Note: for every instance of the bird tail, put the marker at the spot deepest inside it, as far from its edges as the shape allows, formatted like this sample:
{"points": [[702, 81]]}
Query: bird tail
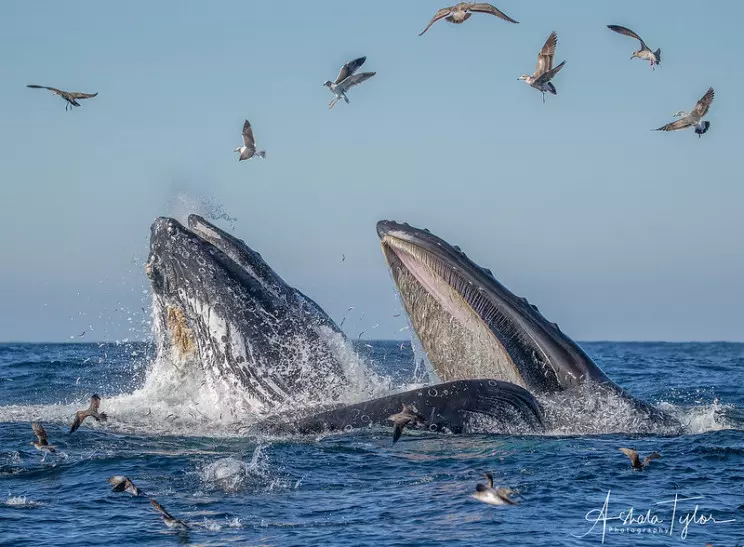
{"points": [[261, 153], [657, 54], [552, 89]]}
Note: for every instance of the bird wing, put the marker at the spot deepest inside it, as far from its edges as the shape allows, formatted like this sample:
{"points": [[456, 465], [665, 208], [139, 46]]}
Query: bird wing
{"points": [[118, 482], [652, 456], [79, 95], [160, 509], [40, 433], [625, 31], [489, 477], [681, 123], [248, 139], [504, 494], [34, 86], [702, 106], [547, 76], [441, 14], [80, 416], [349, 68], [632, 454], [95, 402], [355, 79], [398, 431], [545, 57], [488, 8]]}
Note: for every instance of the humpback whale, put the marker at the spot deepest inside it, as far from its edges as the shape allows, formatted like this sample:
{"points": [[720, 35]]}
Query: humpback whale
{"points": [[222, 311], [218, 306], [471, 326]]}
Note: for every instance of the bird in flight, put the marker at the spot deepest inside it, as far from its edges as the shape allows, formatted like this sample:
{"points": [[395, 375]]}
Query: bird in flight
{"points": [[653, 57], [92, 411], [462, 11], [694, 118], [71, 97], [635, 460], [42, 443], [346, 79], [545, 71], [406, 416], [248, 150]]}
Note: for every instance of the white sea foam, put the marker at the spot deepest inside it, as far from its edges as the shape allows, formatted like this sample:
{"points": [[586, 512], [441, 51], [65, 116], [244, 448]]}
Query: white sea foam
{"points": [[20, 502]]}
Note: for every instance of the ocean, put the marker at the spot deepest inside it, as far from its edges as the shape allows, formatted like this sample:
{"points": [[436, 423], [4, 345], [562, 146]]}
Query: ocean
{"points": [[572, 487]]}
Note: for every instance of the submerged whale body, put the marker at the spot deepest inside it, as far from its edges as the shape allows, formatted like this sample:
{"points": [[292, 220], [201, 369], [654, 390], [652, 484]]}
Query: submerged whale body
{"points": [[471, 326], [223, 313], [452, 407]]}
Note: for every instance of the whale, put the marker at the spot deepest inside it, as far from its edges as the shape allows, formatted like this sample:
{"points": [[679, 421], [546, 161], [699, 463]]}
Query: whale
{"points": [[471, 326], [456, 407], [221, 312]]}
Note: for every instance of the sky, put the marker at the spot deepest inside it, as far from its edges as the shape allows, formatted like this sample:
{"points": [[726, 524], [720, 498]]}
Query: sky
{"points": [[614, 231]]}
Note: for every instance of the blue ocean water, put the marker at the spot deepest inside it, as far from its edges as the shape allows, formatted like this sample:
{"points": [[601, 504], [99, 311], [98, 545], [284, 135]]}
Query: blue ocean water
{"points": [[357, 489]]}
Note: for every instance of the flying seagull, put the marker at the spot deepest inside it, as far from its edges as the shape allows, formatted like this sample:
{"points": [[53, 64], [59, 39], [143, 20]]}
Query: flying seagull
{"points": [[545, 72], [122, 484], [248, 150], [403, 418], [347, 79], [70, 97], [492, 496], [653, 57], [168, 519], [42, 443], [635, 460], [92, 411], [461, 12], [694, 118]]}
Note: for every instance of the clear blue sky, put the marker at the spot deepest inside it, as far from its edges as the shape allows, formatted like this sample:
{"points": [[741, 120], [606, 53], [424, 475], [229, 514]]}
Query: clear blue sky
{"points": [[614, 231]]}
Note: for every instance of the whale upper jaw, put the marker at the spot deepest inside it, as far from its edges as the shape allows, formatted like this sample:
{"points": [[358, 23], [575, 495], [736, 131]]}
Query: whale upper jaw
{"points": [[222, 311], [470, 325]]}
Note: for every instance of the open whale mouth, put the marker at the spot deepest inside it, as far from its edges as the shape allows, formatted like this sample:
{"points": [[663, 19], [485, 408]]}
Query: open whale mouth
{"points": [[223, 314], [470, 325]]}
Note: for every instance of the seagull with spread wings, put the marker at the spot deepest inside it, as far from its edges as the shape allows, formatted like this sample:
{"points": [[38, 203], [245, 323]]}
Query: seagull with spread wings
{"points": [[653, 57], [545, 71], [694, 118], [462, 11], [248, 150], [346, 79], [71, 97]]}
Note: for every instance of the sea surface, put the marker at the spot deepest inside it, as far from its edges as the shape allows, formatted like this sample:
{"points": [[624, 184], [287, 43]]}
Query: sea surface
{"points": [[358, 489]]}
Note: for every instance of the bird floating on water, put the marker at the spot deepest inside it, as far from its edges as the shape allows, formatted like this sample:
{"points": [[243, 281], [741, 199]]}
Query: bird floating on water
{"points": [[403, 418], [492, 496], [694, 118], [121, 483], [43, 442], [248, 150], [347, 79], [168, 519], [71, 97], [635, 460], [545, 72], [653, 57], [91, 411], [462, 11]]}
